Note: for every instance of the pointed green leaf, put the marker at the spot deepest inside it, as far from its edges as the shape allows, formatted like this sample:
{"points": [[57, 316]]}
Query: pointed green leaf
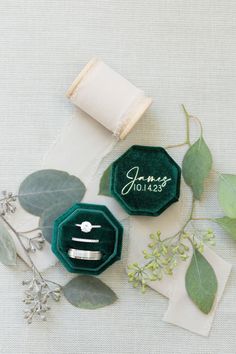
{"points": [[201, 282], [46, 221], [227, 194], [44, 188], [104, 186], [7, 247], [88, 292], [197, 164], [228, 225]]}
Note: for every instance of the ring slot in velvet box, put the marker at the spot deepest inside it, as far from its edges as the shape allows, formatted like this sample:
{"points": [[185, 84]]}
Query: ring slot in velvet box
{"points": [[106, 239], [145, 180]]}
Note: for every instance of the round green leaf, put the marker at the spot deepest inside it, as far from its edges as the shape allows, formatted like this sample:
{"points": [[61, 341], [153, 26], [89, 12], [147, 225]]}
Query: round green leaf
{"points": [[201, 282], [228, 225], [46, 221], [196, 166], [88, 292], [227, 194], [104, 186], [44, 188], [7, 247]]}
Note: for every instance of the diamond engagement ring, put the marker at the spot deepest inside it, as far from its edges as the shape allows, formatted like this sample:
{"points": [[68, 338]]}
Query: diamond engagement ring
{"points": [[86, 226]]}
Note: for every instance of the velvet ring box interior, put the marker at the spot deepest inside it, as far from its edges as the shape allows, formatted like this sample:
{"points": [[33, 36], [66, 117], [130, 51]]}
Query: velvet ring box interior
{"points": [[145, 180], [108, 237]]}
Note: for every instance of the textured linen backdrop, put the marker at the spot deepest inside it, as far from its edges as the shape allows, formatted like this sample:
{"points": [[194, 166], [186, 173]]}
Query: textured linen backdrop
{"points": [[178, 52]]}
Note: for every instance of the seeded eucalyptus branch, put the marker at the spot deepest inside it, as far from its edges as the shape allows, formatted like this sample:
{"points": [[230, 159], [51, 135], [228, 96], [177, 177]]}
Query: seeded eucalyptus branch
{"points": [[7, 203], [33, 243], [164, 254], [39, 290]]}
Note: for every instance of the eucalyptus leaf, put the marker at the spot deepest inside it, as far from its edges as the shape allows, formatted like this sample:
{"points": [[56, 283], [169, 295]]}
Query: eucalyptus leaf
{"points": [[46, 221], [197, 164], [227, 194], [104, 186], [7, 247], [44, 188], [201, 282], [228, 225], [88, 292]]}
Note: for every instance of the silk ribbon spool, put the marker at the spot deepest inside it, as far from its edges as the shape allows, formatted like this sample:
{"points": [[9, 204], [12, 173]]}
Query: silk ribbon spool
{"points": [[108, 98]]}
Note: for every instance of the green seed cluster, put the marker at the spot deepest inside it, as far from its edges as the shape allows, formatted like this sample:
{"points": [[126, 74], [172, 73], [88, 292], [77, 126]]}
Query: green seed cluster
{"points": [[164, 255]]}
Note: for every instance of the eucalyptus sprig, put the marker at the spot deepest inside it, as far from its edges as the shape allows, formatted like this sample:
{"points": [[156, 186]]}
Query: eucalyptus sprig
{"points": [[33, 243], [197, 164], [162, 256], [166, 254], [39, 290]]}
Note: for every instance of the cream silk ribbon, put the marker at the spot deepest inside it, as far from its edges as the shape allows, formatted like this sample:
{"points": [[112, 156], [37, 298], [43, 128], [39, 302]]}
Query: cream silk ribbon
{"points": [[108, 97]]}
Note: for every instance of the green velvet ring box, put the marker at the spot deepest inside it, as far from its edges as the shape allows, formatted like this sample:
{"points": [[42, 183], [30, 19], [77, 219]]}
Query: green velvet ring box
{"points": [[145, 180], [106, 238]]}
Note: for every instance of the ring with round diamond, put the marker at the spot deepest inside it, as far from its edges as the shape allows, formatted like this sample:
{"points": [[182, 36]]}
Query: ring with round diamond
{"points": [[86, 226]]}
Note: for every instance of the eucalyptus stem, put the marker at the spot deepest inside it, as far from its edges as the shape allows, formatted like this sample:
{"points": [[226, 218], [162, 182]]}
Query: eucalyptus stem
{"points": [[190, 218], [38, 289], [199, 122], [29, 231], [7, 197], [53, 282], [187, 142], [207, 219], [32, 265], [187, 139], [187, 116], [175, 146]]}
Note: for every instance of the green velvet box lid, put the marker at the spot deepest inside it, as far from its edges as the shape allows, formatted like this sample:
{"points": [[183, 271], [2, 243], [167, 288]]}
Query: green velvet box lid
{"points": [[109, 236], [145, 180]]}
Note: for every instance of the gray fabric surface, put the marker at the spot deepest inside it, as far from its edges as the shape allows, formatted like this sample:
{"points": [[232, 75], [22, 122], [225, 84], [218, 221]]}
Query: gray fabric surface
{"points": [[178, 52]]}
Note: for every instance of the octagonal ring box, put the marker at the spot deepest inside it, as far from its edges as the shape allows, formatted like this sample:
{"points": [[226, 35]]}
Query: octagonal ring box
{"points": [[145, 180], [108, 238]]}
